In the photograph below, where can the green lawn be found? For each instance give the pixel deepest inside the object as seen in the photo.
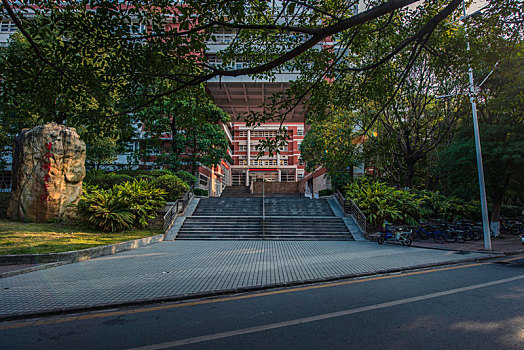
(33, 238)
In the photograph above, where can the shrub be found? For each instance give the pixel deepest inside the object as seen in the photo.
(186, 177)
(379, 202)
(124, 206)
(106, 180)
(200, 192)
(173, 185)
(156, 172)
(145, 177)
(326, 192)
(142, 199)
(102, 209)
(143, 172)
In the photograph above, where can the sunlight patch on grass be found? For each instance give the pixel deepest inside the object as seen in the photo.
(35, 238)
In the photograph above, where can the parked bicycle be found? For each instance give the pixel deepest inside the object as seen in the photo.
(440, 233)
(511, 226)
(395, 235)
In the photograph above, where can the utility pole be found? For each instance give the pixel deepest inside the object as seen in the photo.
(480, 167)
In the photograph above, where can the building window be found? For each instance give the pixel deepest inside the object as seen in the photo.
(242, 134)
(300, 131)
(242, 148)
(223, 36)
(131, 147)
(287, 177)
(202, 181)
(7, 27)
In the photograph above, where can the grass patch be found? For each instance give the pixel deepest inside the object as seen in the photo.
(34, 238)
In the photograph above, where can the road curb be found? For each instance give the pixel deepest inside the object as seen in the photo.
(513, 252)
(56, 259)
(200, 295)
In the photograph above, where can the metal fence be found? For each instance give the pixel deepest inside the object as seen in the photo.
(178, 207)
(351, 208)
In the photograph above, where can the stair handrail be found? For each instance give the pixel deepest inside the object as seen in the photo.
(349, 207)
(263, 210)
(178, 207)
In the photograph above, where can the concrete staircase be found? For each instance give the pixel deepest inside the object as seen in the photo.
(297, 207)
(285, 219)
(229, 206)
(236, 191)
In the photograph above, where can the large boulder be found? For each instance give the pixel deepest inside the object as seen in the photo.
(48, 169)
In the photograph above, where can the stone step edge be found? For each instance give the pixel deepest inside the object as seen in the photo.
(267, 216)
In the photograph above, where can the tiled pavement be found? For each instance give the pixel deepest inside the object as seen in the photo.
(179, 268)
(506, 244)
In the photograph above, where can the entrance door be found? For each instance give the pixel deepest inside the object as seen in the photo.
(269, 176)
(238, 178)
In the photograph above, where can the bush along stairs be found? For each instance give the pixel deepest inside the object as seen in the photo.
(270, 218)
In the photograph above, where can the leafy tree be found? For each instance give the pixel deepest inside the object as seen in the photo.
(193, 121)
(141, 41)
(501, 124)
(415, 121)
(332, 144)
(101, 150)
(34, 93)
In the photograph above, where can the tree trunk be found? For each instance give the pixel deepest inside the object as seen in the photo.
(410, 173)
(193, 155)
(175, 146)
(497, 205)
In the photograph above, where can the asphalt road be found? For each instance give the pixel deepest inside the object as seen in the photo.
(472, 306)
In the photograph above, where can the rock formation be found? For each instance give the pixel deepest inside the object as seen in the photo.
(48, 169)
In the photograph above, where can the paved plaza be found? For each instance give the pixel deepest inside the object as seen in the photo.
(182, 268)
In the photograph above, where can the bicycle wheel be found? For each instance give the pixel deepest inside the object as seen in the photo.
(450, 237)
(417, 236)
(407, 242)
(381, 240)
(461, 238)
(476, 235)
(438, 238)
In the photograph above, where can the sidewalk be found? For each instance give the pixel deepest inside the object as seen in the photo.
(505, 245)
(178, 270)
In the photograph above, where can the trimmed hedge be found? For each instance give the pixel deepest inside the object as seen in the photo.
(200, 192)
(106, 180)
(173, 185)
(186, 177)
(326, 192)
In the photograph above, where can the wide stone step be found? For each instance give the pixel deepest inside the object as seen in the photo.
(260, 229)
(211, 226)
(279, 237)
(269, 232)
(311, 227)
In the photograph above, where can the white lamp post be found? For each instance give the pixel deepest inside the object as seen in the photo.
(472, 95)
(480, 167)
